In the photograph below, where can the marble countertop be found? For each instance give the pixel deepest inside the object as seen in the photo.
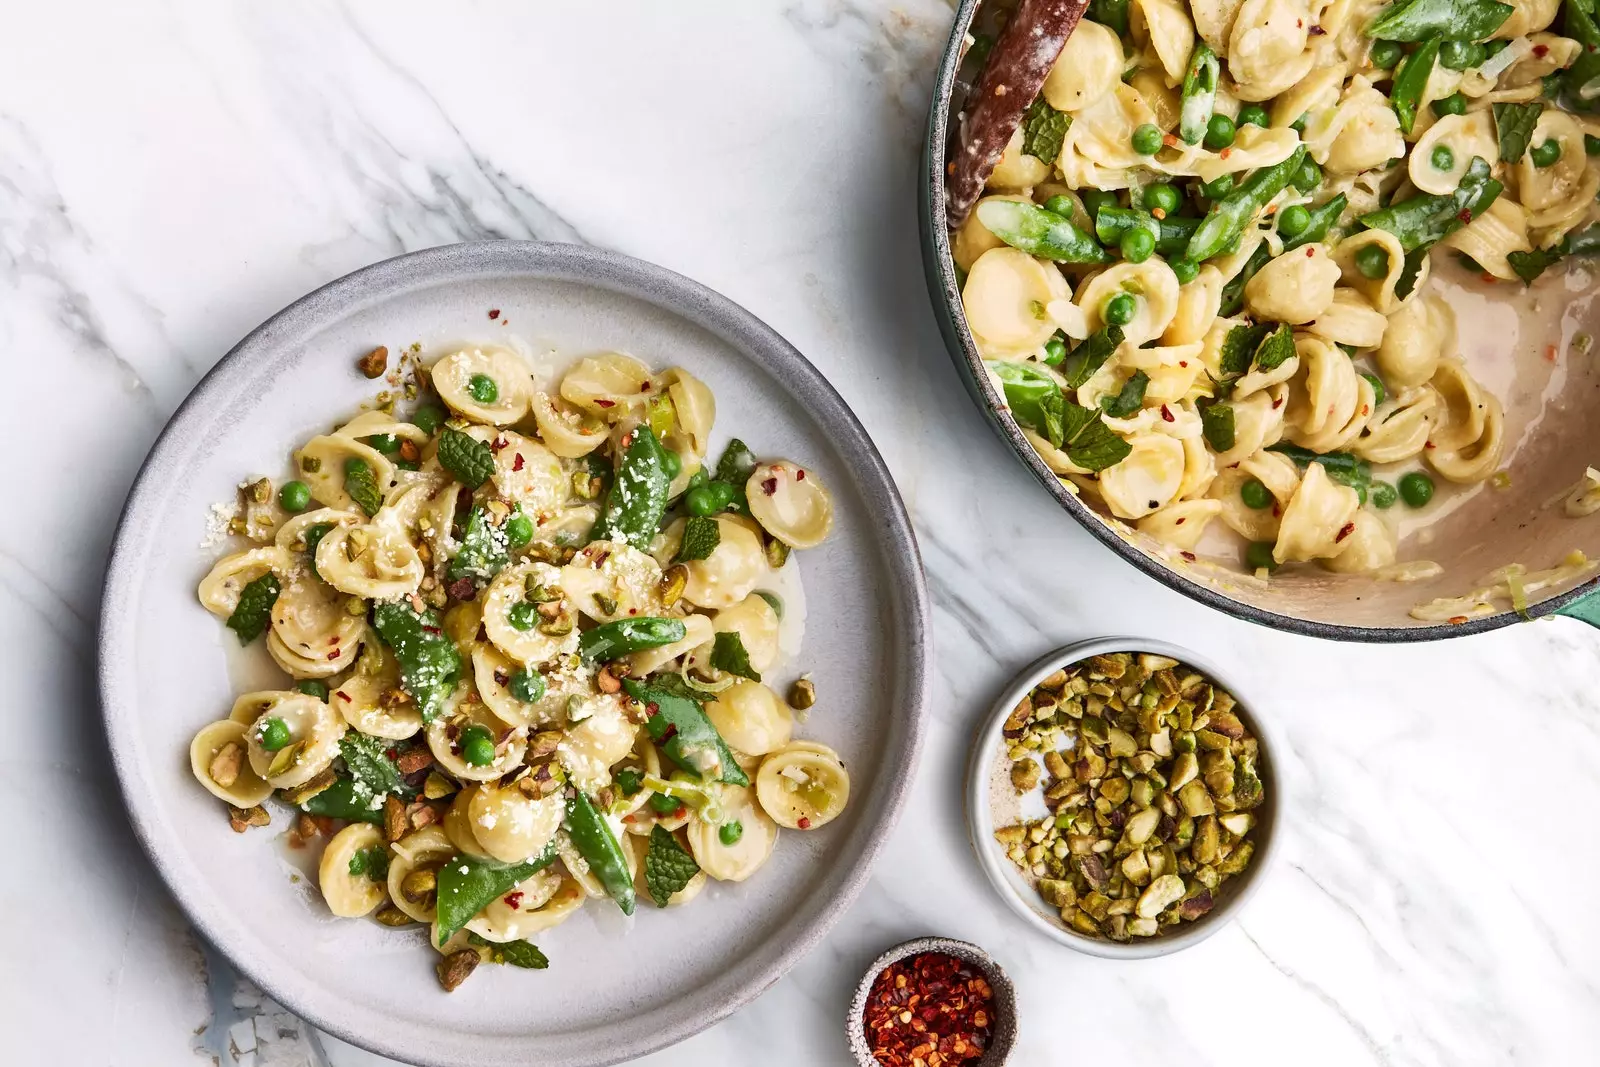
(170, 175)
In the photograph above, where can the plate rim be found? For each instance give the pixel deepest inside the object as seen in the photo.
(613, 272)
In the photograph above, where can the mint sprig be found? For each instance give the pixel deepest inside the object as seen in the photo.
(701, 535)
(362, 485)
(467, 458)
(253, 612)
(1044, 130)
(667, 867)
(372, 772)
(729, 656)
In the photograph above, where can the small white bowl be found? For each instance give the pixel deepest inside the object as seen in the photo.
(984, 773)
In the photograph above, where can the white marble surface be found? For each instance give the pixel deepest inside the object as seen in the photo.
(171, 174)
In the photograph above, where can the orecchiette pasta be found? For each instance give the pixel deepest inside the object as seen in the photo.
(1293, 288)
(487, 386)
(348, 886)
(1318, 520)
(1088, 67)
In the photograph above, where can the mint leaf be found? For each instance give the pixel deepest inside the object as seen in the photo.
(1033, 396)
(729, 656)
(1239, 347)
(523, 954)
(1276, 348)
(372, 772)
(1129, 400)
(1089, 356)
(1090, 443)
(1462, 20)
(1514, 124)
(252, 614)
(341, 801)
(736, 464)
(701, 535)
(1043, 130)
(667, 867)
(1529, 265)
(430, 666)
(1217, 425)
(362, 485)
(372, 862)
(466, 457)
(483, 551)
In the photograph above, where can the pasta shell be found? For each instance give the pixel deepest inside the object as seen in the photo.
(454, 374)
(312, 725)
(738, 861)
(751, 718)
(790, 503)
(802, 788)
(247, 789)
(512, 826)
(350, 895)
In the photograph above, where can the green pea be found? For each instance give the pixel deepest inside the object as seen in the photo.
(698, 478)
(1294, 220)
(1185, 270)
(1255, 495)
(662, 804)
(1147, 139)
(1461, 55)
(1494, 48)
(1378, 391)
(1055, 351)
(1546, 154)
(1163, 197)
(527, 686)
(1120, 309)
(1308, 177)
(708, 499)
(519, 530)
(477, 747)
(1442, 158)
(482, 388)
(730, 832)
(1299, 124)
(1253, 115)
(1137, 245)
(1061, 205)
(522, 615)
(671, 462)
(1258, 556)
(294, 496)
(1384, 495)
(1372, 261)
(273, 734)
(383, 442)
(1218, 188)
(1455, 104)
(1385, 54)
(428, 419)
(629, 781)
(1219, 132)
(313, 688)
(1591, 144)
(1095, 199)
(1416, 488)
(1550, 85)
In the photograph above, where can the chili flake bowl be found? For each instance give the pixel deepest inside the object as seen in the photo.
(1003, 1029)
(990, 796)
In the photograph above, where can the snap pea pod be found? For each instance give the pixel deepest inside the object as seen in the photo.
(613, 640)
(482, 554)
(1034, 398)
(638, 497)
(1171, 234)
(430, 666)
(680, 727)
(1229, 216)
(1199, 94)
(341, 800)
(1322, 220)
(1457, 20)
(1110, 13)
(1411, 79)
(592, 837)
(1233, 292)
(468, 884)
(1422, 221)
(1039, 232)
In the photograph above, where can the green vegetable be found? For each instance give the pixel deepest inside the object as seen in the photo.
(1461, 55)
(311, 687)
(1096, 199)
(1442, 158)
(1120, 309)
(709, 499)
(1416, 488)
(729, 833)
(774, 601)
(524, 954)
(467, 885)
(273, 734)
(253, 613)
(1090, 443)
(1043, 130)
(1239, 348)
(467, 458)
(1454, 104)
(519, 530)
(482, 554)
(1417, 20)
(477, 747)
(1255, 495)
(1229, 216)
(294, 496)
(1110, 13)
(1546, 154)
(1384, 495)
(1258, 556)
(1039, 232)
(1372, 261)
(430, 666)
(667, 867)
(1185, 271)
(1090, 355)
(1129, 400)
(664, 804)
(591, 835)
(1055, 351)
(527, 686)
(1529, 265)
(1147, 139)
(1293, 220)
(629, 781)
(1199, 93)
(1591, 145)
(372, 772)
(1378, 391)
(1137, 246)
(362, 485)
(1276, 348)
(482, 388)
(428, 419)
(342, 800)
(679, 727)
(1034, 397)
(314, 537)
(1299, 124)
(1341, 467)
(1218, 187)
(1308, 177)
(1233, 292)
(1253, 115)
(729, 656)
(638, 499)
(1217, 425)
(1220, 132)
(737, 463)
(387, 443)
(1423, 220)
(372, 862)
(1550, 85)
(1322, 220)
(1171, 234)
(1410, 80)
(672, 462)
(613, 640)
(1578, 22)
(1385, 54)
(522, 616)
(701, 535)
(1163, 197)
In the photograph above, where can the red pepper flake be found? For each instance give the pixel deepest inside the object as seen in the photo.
(927, 1010)
(1167, 415)
(1188, 556)
(804, 823)
(1183, 363)
(667, 734)
(1550, 353)
(769, 486)
(1457, 620)
(1465, 215)
(1316, 31)
(1225, 153)
(1180, 522)
(1170, 141)
(516, 464)
(502, 679)
(1276, 512)
(494, 313)
(499, 442)
(342, 695)
(1311, 253)
(652, 709)
(513, 901)
(644, 387)
(1541, 50)
(334, 654)
(799, 475)
(602, 402)
(1344, 531)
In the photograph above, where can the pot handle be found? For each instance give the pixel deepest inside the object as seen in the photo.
(1586, 609)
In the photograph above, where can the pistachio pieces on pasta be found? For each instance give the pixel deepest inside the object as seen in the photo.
(1151, 780)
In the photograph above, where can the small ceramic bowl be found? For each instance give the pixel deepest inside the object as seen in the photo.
(986, 773)
(1004, 1030)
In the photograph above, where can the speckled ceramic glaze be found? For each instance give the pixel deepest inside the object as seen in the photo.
(616, 988)
(1024, 899)
(1004, 1034)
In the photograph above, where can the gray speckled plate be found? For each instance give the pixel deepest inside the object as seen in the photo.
(615, 989)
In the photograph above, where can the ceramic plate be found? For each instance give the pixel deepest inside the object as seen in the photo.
(615, 988)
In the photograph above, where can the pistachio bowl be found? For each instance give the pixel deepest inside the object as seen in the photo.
(992, 803)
